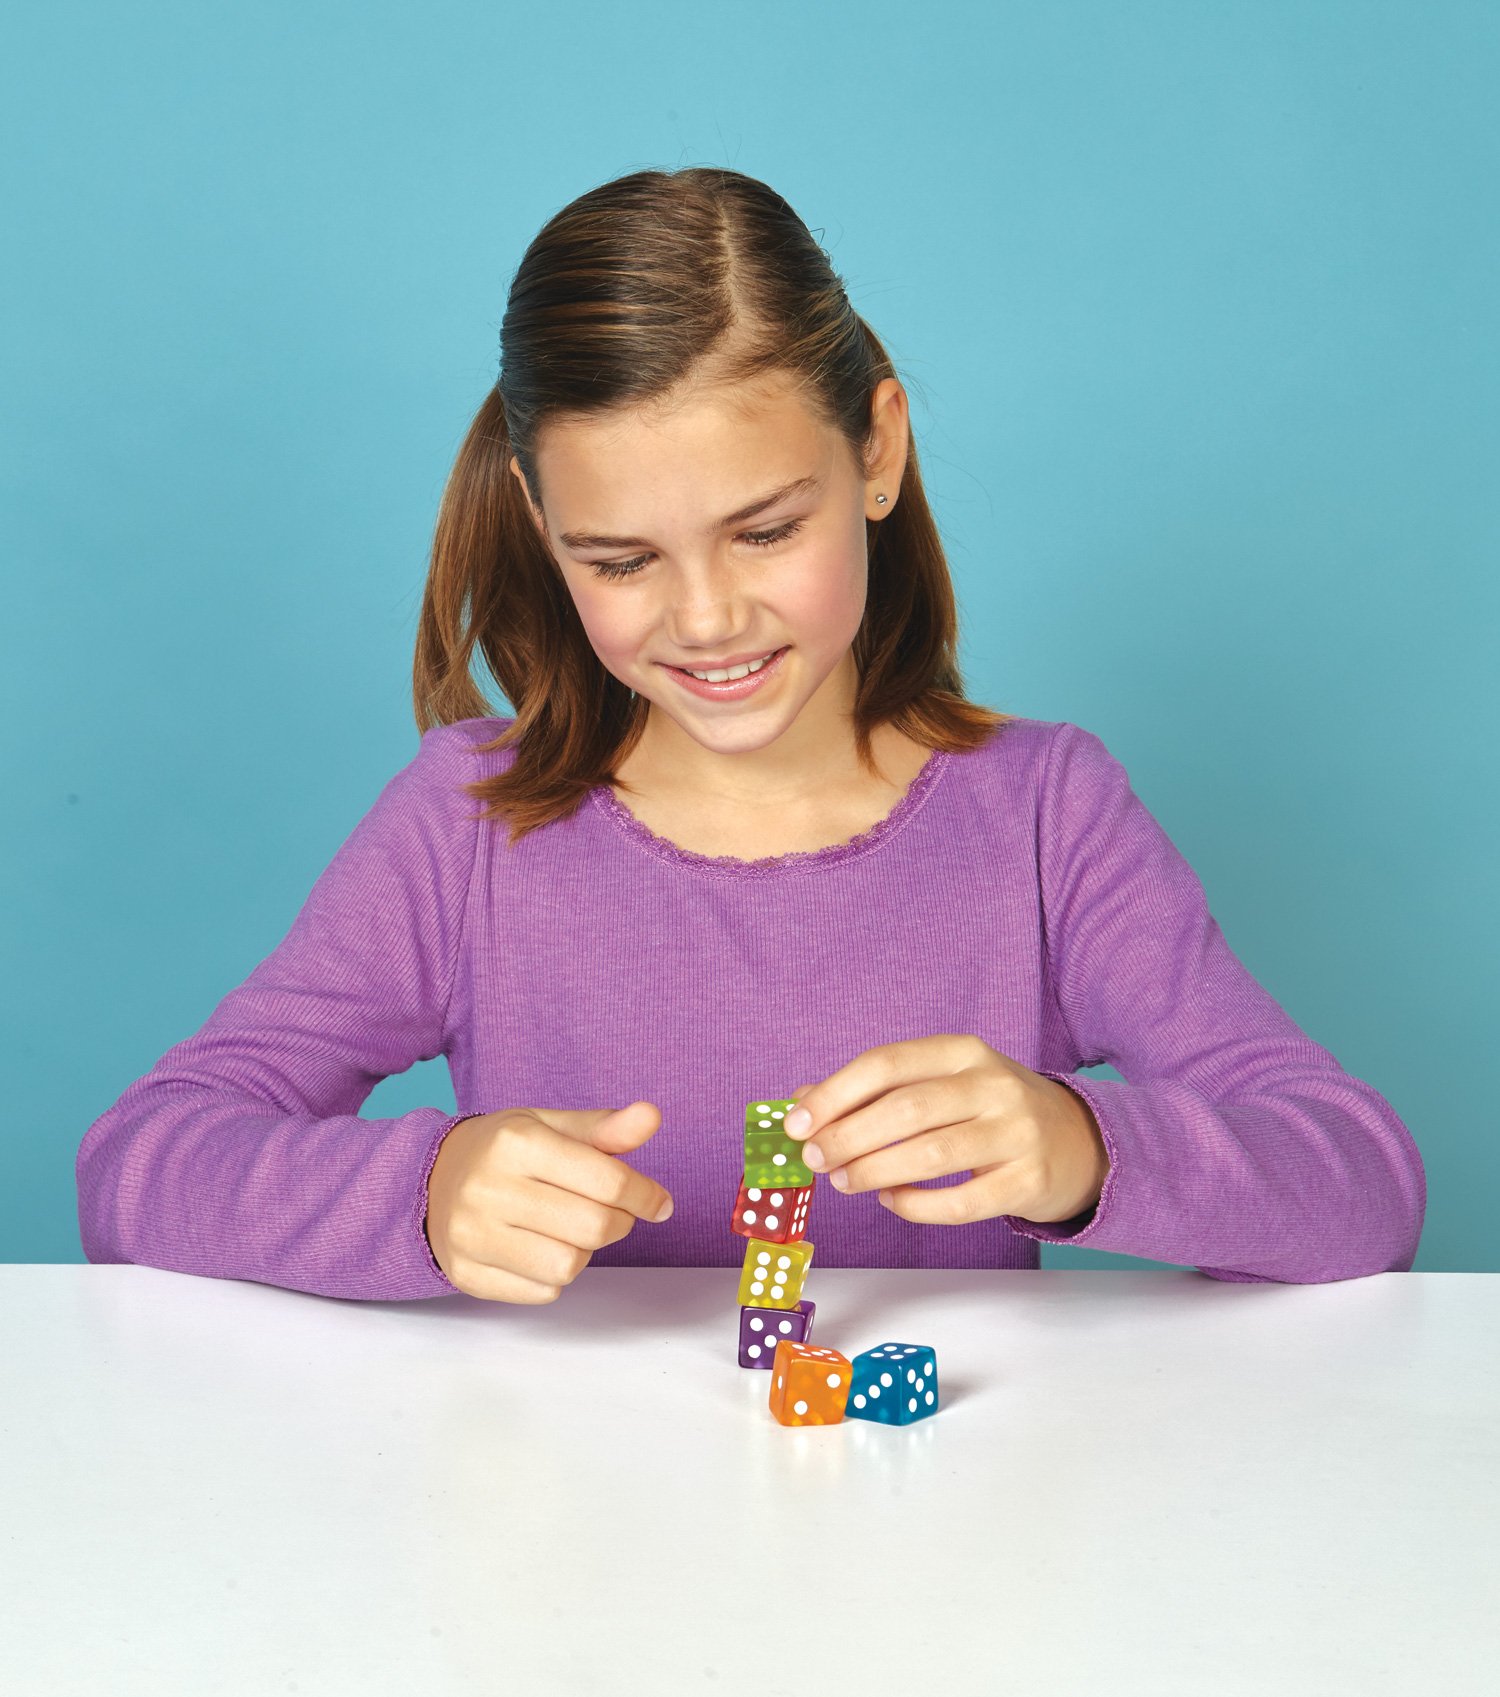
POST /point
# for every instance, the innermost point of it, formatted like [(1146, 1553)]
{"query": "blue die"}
[(894, 1383)]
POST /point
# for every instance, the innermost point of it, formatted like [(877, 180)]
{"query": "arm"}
[(1237, 1144), (241, 1154)]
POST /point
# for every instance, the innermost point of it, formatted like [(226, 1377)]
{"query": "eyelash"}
[(756, 539)]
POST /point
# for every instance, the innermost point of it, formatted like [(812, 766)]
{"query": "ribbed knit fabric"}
[(1022, 893)]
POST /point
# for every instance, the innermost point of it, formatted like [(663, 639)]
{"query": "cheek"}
[(826, 594), (608, 621)]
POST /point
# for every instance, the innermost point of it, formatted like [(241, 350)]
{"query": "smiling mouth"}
[(756, 662), (732, 687)]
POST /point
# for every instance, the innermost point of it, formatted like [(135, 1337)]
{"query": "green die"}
[(771, 1157)]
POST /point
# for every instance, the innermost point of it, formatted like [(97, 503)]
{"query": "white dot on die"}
[(784, 1326), (885, 1380), (777, 1200), (834, 1381), (910, 1374), (753, 1351), (778, 1160), (748, 1216), (757, 1324), (756, 1288), (753, 1195), (779, 1381), (764, 1256), (859, 1402), (783, 1260), (874, 1390), (771, 1222), (911, 1407), (799, 1408), (929, 1398)]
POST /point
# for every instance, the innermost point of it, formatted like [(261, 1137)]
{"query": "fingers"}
[(916, 1131), (932, 1154), (509, 1258), (545, 1241), (885, 1093), (983, 1197), (570, 1219), (575, 1165)]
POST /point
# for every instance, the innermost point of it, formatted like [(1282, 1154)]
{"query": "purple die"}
[(761, 1329)]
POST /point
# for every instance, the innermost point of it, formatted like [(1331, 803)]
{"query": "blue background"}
[(1196, 304)]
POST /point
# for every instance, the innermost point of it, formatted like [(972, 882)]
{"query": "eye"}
[(756, 539)]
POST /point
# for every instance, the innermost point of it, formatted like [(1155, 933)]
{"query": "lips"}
[(727, 665), (731, 689)]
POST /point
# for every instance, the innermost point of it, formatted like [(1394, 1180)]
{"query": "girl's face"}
[(648, 515)]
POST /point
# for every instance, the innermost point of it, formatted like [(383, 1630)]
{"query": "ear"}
[(889, 435)]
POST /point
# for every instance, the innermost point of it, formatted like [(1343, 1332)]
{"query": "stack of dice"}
[(894, 1384)]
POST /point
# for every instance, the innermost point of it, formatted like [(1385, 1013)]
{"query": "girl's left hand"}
[(931, 1106)]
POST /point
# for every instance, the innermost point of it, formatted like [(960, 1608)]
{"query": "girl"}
[(743, 829)]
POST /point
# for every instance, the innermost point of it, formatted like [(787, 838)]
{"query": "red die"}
[(775, 1215)]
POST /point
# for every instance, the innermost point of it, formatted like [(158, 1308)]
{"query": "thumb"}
[(616, 1130)]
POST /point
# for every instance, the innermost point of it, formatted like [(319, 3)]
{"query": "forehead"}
[(700, 444)]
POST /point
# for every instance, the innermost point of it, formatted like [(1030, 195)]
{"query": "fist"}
[(518, 1201)]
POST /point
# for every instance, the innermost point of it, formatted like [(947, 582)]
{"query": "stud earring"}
[(880, 500)]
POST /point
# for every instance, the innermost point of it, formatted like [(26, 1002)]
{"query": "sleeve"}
[(241, 1154), (1236, 1144)]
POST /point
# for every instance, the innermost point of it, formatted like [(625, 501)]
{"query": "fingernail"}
[(839, 1179), (797, 1122), (813, 1155), (663, 1213)]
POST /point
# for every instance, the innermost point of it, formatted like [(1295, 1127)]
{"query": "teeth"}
[(733, 672)]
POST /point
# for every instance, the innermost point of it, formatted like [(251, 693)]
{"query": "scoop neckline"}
[(770, 866)]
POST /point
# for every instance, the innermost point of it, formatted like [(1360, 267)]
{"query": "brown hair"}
[(622, 296)]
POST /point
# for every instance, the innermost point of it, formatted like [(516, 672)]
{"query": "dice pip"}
[(809, 1385), (761, 1329), (778, 1215), (894, 1384), (772, 1274), (771, 1157)]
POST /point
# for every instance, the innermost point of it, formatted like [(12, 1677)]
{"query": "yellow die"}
[(773, 1273)]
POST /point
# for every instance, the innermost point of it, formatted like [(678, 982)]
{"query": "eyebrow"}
[(592, 539)]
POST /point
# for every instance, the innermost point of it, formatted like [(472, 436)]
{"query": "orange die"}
[(809, 1386)]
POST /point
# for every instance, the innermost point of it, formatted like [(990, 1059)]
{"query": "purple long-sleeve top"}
[(1021, 893)]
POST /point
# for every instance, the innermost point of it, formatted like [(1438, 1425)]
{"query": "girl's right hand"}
[(518, 1201)]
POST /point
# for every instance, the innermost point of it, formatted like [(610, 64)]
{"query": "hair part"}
[(643, 286)]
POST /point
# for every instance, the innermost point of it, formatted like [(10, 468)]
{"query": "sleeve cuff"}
[(440, 1279), (1095, 1221)]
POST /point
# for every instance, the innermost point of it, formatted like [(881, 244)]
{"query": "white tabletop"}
[(1138, 1482)]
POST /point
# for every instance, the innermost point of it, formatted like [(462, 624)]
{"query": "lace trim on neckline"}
[(799, 860)]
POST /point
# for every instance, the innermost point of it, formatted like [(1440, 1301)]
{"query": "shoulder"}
[(428, 793), (1053, 771), (1032, 752), (465, 737), (1047, 749), (461, 752)]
